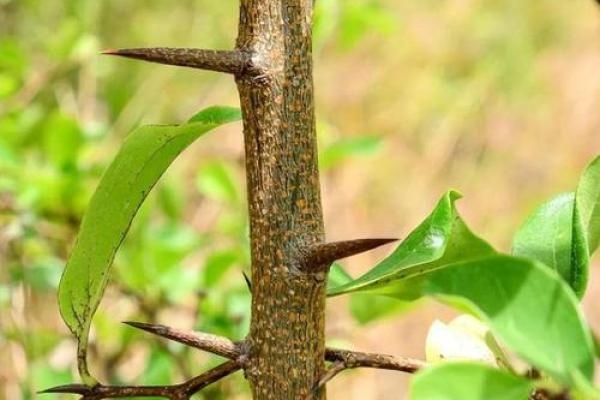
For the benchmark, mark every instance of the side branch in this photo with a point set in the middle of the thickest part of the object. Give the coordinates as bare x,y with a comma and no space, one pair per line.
182,391
321,256
346,359
204,341
235,350
232,62
357,359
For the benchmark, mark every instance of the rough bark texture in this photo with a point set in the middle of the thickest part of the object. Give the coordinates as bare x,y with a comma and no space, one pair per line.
286,345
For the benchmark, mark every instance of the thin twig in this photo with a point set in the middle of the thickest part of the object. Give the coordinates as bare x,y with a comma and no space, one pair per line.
232,350
331,373
233,62
198,383
346,359
181,391
357,359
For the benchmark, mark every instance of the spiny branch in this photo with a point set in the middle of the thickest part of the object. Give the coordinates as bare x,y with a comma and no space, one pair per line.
204,341
357,359
233,62
323,255
232,350
182,391
346,359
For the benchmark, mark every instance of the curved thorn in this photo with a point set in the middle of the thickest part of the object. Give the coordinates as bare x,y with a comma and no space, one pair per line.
325,254
248,282
234,62
74,388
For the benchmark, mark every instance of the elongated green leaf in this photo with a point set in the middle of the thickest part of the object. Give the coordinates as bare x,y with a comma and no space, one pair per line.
527,306
441,239
217,115
468,381
143,158
565,231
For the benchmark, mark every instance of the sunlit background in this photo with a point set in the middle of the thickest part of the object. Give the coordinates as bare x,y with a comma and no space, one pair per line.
499,99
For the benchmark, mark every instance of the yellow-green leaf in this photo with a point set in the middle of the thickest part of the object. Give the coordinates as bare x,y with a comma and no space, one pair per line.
143,158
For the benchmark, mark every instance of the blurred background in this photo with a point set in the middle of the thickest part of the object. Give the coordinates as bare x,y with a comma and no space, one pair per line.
499,99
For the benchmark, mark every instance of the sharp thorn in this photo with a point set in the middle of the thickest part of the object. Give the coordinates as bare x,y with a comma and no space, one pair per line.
233,61
152,328
325,254
74,388
203,341
248,282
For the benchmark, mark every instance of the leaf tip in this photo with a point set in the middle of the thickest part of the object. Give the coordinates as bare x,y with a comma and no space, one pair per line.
455,195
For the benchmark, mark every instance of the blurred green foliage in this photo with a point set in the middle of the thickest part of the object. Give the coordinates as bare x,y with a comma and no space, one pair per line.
437,72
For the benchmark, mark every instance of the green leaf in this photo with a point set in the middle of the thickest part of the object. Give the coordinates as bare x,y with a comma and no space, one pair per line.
366,308
564,236
527,306
143,158
348,147
441,239
584,389
338,276
468,381
217,115
546,235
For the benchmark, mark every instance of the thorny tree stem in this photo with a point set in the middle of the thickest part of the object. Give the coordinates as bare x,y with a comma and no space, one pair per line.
284,353
286,340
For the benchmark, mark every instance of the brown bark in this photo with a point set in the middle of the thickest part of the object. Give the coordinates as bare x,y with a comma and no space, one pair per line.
286,343
284,354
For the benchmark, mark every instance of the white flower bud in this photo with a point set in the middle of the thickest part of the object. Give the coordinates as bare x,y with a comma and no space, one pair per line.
464,338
